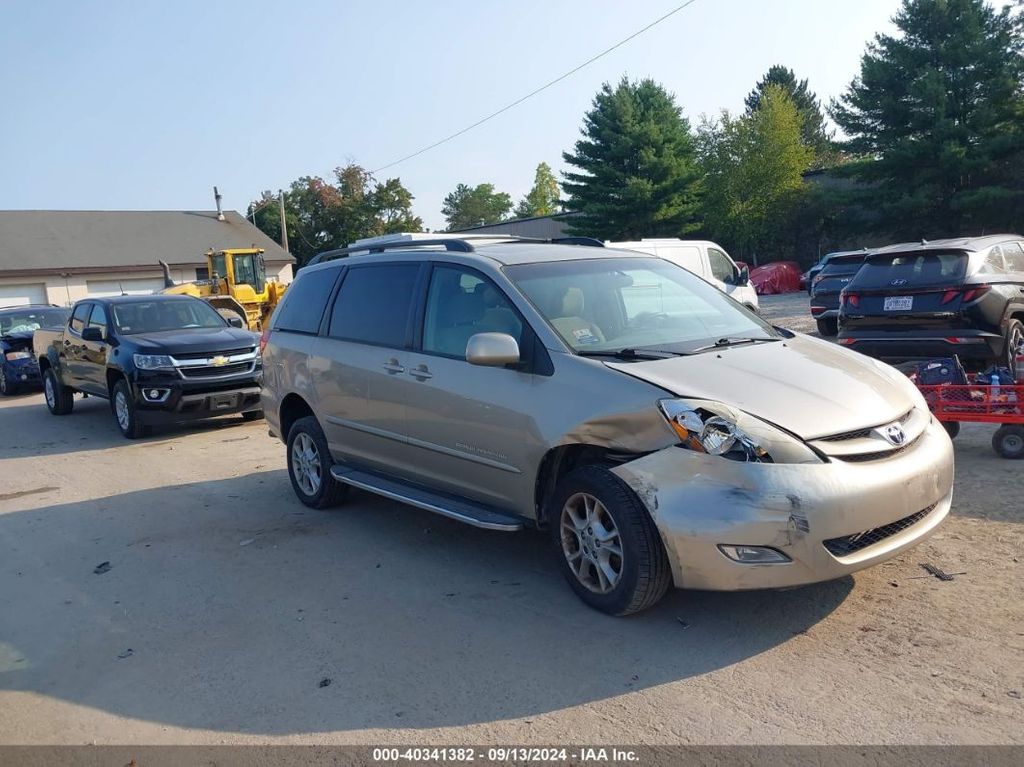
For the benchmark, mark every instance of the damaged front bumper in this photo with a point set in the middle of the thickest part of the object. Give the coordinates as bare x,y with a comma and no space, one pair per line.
829,519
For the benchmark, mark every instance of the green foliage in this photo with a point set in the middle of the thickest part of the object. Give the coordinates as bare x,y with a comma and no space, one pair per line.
753,166
637,172
813,129
474,206
543,198
936,118
323,215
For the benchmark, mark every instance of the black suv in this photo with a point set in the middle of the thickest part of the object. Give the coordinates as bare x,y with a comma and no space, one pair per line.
828,284
935,299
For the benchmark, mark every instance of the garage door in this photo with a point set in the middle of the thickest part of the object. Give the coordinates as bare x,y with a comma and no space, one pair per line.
21,294
136,287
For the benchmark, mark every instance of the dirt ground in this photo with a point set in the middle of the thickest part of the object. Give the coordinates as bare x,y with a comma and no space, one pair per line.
230,613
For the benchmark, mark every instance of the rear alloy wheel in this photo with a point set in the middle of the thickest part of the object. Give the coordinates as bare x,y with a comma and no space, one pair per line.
125,412
606,543
1008,441
59,398
309,466
1015,349
7,387
828,327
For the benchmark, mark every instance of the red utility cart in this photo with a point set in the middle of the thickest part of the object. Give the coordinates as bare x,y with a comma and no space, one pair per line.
953,404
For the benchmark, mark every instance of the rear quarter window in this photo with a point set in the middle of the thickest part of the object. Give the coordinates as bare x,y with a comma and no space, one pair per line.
305,301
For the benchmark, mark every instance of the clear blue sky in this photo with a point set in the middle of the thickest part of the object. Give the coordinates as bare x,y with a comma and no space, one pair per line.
139,105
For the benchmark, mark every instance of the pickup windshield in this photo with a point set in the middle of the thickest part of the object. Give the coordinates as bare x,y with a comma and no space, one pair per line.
634,305
135,317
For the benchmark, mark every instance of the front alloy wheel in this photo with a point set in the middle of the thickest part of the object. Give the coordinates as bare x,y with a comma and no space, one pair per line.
591,543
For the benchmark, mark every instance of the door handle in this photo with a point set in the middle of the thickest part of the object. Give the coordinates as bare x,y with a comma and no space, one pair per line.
393,366
420,373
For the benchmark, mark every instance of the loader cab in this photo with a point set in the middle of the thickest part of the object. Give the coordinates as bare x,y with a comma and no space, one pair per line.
240,267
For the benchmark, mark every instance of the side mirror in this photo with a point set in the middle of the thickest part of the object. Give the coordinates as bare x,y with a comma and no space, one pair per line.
743,278
92,334
492,350
235,322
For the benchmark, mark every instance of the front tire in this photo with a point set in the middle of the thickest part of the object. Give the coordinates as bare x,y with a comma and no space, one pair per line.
952,428
606,544
1015,349
7,387
59,398
309,466
125,412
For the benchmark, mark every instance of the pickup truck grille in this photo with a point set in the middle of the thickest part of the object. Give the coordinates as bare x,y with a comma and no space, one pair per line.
206,355
209,371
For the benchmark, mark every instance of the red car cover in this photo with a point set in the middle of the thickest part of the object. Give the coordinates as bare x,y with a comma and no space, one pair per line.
779,277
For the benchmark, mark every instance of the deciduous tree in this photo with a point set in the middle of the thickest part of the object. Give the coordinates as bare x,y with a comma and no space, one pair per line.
470,206
543,198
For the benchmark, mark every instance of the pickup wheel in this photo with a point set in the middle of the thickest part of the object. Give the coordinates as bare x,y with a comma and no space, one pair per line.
123,405
7,387
606,543
59,398
309,466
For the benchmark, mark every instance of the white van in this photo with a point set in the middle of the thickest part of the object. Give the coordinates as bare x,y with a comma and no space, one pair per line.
705,259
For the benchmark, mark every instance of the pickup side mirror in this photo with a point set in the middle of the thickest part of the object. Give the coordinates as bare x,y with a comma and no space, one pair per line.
743,278
235,322
92,334
492,350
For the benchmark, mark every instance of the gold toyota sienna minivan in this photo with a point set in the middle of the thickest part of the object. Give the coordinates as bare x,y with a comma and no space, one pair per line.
661,432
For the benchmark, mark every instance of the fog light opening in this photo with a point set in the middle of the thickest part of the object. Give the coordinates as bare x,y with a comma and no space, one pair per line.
151,394
753,555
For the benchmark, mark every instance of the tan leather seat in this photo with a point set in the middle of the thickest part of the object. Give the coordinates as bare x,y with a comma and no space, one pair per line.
571,324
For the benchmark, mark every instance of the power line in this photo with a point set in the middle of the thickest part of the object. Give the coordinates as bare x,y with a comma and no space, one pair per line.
531,94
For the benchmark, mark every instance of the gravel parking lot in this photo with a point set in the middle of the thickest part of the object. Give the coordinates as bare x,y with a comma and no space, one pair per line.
230,613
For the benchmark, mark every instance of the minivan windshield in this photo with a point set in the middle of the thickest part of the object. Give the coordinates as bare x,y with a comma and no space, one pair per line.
156,316
616,305
911,270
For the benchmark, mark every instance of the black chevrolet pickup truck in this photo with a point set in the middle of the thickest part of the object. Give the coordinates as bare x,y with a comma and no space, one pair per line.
158,359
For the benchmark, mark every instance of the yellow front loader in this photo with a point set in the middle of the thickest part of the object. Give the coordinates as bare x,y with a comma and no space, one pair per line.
238,285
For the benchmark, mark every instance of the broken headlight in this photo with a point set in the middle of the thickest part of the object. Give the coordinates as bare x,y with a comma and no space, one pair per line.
714,428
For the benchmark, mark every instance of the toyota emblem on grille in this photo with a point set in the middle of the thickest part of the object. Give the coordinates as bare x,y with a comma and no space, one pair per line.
894,433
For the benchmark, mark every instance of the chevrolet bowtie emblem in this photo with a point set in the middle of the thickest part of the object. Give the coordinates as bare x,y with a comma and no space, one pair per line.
219,361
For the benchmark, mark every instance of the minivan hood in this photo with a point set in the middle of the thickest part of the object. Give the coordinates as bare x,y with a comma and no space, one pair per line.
193,340
809,387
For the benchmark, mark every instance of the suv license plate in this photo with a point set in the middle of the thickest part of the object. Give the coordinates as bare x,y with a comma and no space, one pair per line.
898,303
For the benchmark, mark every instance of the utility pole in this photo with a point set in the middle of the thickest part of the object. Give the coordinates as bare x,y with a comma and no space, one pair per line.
284,225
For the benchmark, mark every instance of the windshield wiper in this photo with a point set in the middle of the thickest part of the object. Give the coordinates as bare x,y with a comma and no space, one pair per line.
722,343
631,354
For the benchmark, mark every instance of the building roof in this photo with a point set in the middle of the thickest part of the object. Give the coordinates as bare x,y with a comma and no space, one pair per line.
44,241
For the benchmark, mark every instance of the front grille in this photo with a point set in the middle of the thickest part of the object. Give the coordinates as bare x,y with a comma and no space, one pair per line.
214,371
206,355
875,456
860,433
849,544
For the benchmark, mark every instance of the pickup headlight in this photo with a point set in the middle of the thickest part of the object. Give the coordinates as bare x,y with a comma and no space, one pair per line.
11,356
153,362
714,428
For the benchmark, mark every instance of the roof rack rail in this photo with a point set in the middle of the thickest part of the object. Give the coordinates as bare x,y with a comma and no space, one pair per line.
458,246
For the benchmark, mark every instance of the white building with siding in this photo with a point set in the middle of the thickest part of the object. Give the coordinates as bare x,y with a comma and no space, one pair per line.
59,256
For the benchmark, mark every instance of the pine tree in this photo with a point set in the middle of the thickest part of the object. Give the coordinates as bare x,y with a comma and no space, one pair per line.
936,115
637,174
814,131
542,199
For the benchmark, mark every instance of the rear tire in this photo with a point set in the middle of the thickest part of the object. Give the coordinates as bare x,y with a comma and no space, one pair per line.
1008,441
309,466
125,413
828,327
59,398
1014,349
7,387
952,428
607,546
252,415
